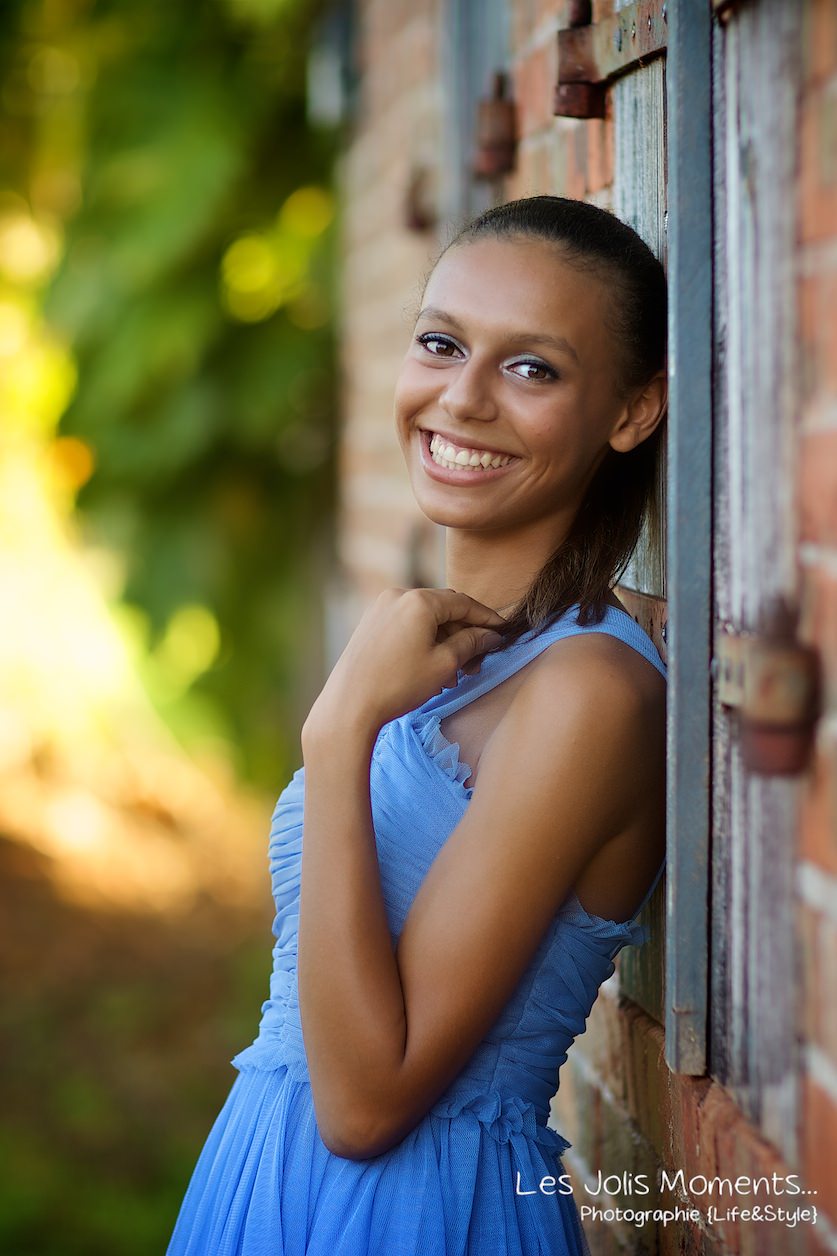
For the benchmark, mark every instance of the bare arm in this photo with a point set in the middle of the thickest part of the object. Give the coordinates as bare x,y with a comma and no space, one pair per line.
386,1030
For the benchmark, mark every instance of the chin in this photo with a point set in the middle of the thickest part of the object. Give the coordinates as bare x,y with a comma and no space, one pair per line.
449,514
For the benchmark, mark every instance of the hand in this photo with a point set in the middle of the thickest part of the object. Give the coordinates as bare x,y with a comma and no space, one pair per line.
409,644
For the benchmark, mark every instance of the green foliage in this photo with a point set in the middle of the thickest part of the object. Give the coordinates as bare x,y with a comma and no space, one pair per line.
180,242
165,139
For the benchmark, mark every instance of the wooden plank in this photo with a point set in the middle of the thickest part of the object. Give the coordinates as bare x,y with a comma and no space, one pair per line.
639,198
753,1039
619,42
474,45
689,539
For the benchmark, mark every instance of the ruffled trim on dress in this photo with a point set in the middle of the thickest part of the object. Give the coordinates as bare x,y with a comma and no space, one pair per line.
444,753
502,1117
625,932
272,1046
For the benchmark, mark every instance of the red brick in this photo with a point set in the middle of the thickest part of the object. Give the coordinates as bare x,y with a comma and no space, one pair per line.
676,1085
521,25
819,1146
818,625
691,1098
817,310
819,40
654,1111
599,154
818,170
714,1111
819,963
628,1049
727,1144
534,81
544,10
818,484
575,147
818,810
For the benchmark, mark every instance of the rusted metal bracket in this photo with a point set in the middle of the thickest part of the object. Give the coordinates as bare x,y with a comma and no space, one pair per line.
496,131
724,9
773,681
590,54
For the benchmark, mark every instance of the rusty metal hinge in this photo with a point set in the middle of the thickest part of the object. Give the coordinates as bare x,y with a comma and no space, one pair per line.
496,142
724,9
590,54
772,680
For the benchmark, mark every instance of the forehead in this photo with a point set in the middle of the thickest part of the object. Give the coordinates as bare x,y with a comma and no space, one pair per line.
521,280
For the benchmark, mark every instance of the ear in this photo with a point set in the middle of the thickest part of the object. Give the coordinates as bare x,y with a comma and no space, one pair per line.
641,414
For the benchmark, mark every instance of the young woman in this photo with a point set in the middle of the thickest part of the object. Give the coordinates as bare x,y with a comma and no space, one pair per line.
483,785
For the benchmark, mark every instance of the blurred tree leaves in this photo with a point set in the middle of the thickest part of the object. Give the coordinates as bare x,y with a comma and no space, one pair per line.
165,147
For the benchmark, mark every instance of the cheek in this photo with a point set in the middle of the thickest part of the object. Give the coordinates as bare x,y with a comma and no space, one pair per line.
414,393
407,391
554,430
558,440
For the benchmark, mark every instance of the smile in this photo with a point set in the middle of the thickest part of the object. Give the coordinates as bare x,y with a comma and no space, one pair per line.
451,463
449,455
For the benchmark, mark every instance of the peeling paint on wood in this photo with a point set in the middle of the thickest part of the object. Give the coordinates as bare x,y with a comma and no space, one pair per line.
754,990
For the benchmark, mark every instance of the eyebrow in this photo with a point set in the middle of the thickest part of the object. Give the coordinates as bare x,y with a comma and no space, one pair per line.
539,338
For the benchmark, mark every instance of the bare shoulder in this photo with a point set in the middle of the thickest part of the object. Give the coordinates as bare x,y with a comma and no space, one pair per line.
596,704
598,670
592,717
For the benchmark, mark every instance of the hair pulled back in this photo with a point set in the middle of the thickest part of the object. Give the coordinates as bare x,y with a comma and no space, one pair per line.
621,495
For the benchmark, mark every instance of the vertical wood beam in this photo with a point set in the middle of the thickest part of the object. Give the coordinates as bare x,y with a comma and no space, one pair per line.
689,542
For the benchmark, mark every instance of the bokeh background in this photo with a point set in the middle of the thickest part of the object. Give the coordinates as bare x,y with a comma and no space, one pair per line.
187,317
167,387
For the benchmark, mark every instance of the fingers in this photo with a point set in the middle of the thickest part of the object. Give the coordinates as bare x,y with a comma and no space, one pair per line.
469,641
450,605
443,631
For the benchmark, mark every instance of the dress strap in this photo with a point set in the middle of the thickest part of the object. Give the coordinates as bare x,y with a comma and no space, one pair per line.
499,666
654,885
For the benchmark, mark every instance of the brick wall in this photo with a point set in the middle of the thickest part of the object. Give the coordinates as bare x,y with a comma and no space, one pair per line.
396,131
618,1103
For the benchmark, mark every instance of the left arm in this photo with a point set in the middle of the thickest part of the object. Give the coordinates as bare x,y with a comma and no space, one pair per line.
386,1030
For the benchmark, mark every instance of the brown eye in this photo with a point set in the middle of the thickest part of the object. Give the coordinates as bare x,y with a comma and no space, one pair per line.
548,372
430,339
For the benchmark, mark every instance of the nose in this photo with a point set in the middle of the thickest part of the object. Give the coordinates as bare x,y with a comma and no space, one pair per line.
468,393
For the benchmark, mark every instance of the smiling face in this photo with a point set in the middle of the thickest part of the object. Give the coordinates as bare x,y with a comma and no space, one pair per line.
506,399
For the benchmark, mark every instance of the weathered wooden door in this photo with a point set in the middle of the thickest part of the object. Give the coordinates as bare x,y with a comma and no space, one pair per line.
620,61
752,1039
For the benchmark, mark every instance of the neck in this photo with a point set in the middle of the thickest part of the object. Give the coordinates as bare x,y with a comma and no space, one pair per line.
498,568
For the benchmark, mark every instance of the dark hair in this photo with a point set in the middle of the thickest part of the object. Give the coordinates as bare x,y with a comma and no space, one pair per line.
621,494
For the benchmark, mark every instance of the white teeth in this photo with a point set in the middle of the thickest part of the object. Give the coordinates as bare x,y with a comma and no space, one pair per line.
448,456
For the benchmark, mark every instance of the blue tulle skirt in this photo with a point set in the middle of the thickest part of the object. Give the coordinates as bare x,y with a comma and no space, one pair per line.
266,1185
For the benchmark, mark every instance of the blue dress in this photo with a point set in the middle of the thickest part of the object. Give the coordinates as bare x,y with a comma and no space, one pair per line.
266,1185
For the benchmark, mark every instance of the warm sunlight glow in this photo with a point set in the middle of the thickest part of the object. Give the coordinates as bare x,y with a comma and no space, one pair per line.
307,211
29,250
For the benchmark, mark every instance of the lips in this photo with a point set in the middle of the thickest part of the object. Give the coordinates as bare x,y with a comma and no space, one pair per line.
462,444
459,476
